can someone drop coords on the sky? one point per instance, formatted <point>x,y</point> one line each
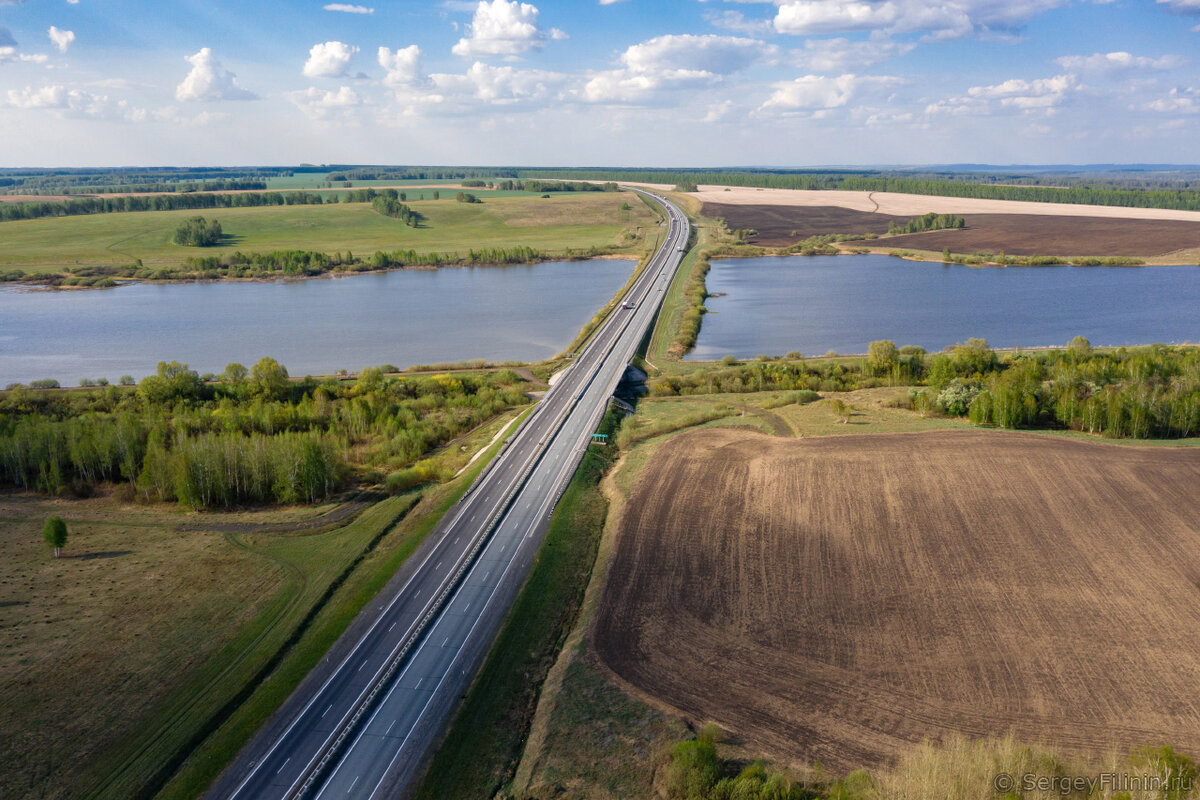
<point>661,83</point>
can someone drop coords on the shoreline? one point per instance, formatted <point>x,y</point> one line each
<point>31,284</point>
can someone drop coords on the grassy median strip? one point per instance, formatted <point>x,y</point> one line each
<point>481,749</point>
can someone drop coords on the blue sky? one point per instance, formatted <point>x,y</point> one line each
<point>620,82</point>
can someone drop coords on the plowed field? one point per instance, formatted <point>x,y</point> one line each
<point>840,598</point>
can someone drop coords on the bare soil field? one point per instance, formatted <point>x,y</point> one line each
<point>839,599</point>
<point>1015,234</point>
<point>1030,235</point>
<point>780,226</point>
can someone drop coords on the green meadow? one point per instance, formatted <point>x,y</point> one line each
<point>554,224</point>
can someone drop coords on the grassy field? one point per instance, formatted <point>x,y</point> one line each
<point>163,633</point>
<point>553,225</point>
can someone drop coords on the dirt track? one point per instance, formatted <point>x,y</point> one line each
<point>837,599</point>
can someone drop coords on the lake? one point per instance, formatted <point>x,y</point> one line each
<point>316,326</point>
<point>815,304</point>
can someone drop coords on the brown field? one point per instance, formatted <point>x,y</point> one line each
<point>780,226</point>
<point>1015,234</point>
<point>839,599</point>
<point>1028,235</point>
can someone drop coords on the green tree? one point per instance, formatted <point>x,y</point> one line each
<point>171,382</point>
<point>55,534</point>
<point>269,379</point>
<point>882,356</point>
<point>234,373</point>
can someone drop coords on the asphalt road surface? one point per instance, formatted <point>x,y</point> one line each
<point>362,725</point>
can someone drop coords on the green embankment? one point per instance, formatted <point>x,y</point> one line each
<point>480,751</point>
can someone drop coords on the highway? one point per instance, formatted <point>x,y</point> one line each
<point>363,725</point>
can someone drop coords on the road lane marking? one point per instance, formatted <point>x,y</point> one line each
<point>389,730</point>
<point>326,711</point>
<point>284,765</point>
<point>390,629</point>
<point>438,564</point>
<point>351,789</point>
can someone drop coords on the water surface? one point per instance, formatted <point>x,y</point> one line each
<point>815,304</point>
<point>317,326</point>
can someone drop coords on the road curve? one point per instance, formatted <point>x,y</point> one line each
<point>362,725</point>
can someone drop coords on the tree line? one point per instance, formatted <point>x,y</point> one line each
<point>926,222</point>
<point>392,207</point>
<point>1128,393</point>
<point>162,202</point>
<point>246,436</point>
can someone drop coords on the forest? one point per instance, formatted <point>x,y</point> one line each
<point>248,436</point>
<point>1125,393</point>
<point>159,202</point>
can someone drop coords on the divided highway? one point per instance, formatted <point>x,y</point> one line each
<point>363,724</point>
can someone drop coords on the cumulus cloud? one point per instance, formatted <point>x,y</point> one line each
<point>737,22</point>
<point>1117,62</point>
<point>501,28</point>
<point>329,60</point>
<point>1043,95</point>
<point>62,39</point>
<point>1182,6</point>
<point>319,104</point>
<point>842,55</point>
<point>210,81</point>
<point>503,85</point>
<point>938,19</point>
<point>823,92</point>
<point>674,61</point>
<point>73,102</point>
<point>1178,101</point>
<point>403,66</point>
<point>346,8</point>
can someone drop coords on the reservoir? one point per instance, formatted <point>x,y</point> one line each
<point>773,305</point>
<point>317,326</point>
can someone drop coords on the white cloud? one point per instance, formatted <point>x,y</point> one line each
<point>610,2</point>
<point>1043,95</point>
<point>1182,6</point>
<point>503,85</point>
<point>939,19</point>
<point>810,92</point>
<point>62,39</point>
<point>73,102</point>
<point>1117,62</point>
<point>346,8</point>
<point>674,61</point>
<point>43,97</point>
<point>319,104</point>
<point>11,54</point>
<point>1178,101</point>
<point>1023,94</point>
<point>329,60</point>
<point>842,55</point>
<point>403,66</point>
<point>501,28</point>
<point>737,22</point>
<point>208,80</point>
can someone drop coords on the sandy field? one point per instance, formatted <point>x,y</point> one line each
<point>912,205</point>
<point>839,599</point>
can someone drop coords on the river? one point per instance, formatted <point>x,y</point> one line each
<point>774,305</point>
<point>317,326</point>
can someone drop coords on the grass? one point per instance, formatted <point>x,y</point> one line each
<point>562,222</point>
<point>480,750</point>
<point>164,633</point>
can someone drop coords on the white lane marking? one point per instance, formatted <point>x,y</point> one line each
<point>326,711</point>
<point>438,564</point>
<point>351,789</point>
<point>363,665</point>
<point>390,629</point>
<point>389,730</point>
<point>284,765</point>
<point>446,642</point>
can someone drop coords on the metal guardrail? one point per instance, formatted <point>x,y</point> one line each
<point>451,584</point>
